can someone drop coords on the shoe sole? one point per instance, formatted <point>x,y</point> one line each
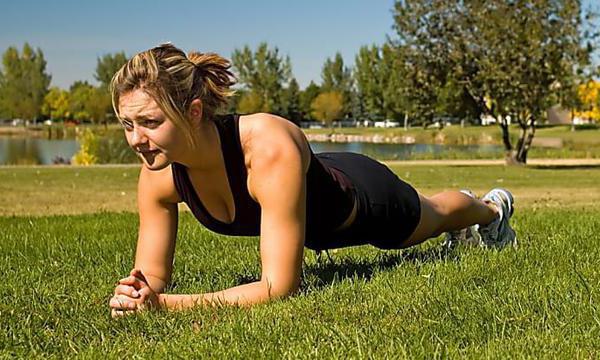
<point>509,235</point>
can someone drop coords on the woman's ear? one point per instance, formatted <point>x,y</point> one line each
<point>196,110</point>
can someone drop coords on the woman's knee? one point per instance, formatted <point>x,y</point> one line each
<point>430,222</point>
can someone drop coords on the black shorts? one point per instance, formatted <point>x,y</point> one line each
<point>388,210</point>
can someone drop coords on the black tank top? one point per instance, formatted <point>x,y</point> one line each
<point>329,193</point>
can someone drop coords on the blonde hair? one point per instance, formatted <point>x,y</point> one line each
<point>174,80</point>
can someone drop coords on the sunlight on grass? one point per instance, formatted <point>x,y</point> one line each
<point>539,300</point>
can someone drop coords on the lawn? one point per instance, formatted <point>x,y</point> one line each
<point>69,233</point>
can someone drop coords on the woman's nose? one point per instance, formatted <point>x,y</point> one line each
<point>138,137</point>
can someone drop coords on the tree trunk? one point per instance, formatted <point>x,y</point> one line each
<point>511,155</point>
<point>521,141</point>
<point>405,122</point>
<point>525,142</point>
<point>506,140</point>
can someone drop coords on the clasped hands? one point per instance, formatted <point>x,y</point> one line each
<point>133,294</point>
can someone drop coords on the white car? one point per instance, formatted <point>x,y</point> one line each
<point>387,124</point>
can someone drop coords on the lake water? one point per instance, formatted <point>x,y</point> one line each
<point>29,151</point>
<point>32,151</point>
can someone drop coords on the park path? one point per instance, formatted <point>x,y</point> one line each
<point>482,162</point>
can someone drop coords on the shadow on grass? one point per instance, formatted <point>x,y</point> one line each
<point>330,270</point>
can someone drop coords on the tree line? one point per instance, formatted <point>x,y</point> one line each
<point>25,91</point>
<point>509,60</point>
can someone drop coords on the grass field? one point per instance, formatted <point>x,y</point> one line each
<point>68,235</point>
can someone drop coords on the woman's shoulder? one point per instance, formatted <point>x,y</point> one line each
<point>262,130</point>
<point>158,185</point>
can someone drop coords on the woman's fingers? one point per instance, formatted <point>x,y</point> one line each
<point>121,302</point>
<point>131,295</point>
<point>119,313</point>
<point>127,290</point>
<point>138,274</point>
<point>133,281</point>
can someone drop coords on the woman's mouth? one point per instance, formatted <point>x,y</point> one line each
<point>149,155</point>
<point>149,152</point>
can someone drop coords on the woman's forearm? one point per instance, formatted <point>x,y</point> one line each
<point>242,295</point>
<point>157,284</point>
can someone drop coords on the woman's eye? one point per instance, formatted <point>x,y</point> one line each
<point>151,123</point>
<point>127,125</point>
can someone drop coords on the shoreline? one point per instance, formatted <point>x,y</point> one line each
<point>542,162</point>
<point>374,139</point>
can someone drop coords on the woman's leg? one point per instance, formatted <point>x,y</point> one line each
<point>447,211</point>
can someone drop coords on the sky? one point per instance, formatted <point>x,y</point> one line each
<point>73,34</point>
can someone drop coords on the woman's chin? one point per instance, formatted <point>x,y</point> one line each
<point>155,161</point>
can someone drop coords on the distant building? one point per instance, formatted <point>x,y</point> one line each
<point>558,115</point>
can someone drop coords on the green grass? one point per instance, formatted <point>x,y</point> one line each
<point>540,300</point>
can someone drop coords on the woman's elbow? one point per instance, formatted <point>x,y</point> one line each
<point>279,289</point>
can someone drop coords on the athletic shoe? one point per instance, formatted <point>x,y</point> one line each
<point>498,233</point>
<point>469,235</point>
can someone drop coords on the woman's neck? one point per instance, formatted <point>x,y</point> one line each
<point>205,154</point>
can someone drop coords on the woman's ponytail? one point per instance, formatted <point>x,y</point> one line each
<point>213,79</point>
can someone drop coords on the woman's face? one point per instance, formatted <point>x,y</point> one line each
<point>154,138</point>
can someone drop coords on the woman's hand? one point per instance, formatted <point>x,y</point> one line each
<point>133,294</point>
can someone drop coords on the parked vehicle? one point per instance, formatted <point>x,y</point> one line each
<point>387,123</point>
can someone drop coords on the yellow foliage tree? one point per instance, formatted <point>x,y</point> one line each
<point>88,148</point>
<point>327,107</point>
<point>250,103</point>
<point>589,94</point>
<point>56,104</point>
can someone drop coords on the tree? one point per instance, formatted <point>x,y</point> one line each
<point>251,102</point>
<point>328,106</point>
<point>589,96</point>
<point>264,73</point>
<point>383,79</point>
<point>56,104</point>
<point>23,82</point>
<point>337,77</point>
<point>291,102</point>
<point>307,96</point>
<point>369,80</point>
<point>88,103</point>
<point>514,59</point>
<point>107,66</point>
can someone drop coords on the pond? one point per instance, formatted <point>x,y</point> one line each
<point>32,151</point>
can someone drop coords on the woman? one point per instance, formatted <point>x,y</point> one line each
<point>256,175</point>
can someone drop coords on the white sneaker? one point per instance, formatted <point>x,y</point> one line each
<point>469,235</point>
<point>498,233</point>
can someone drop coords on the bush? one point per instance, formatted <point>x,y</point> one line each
<point>89,145</point>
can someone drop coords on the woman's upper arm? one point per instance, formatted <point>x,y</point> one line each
<point>157,203</point>
<point>278,183</point>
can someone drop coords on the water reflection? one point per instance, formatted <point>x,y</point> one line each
<point>405,151</point>
<point>114,149</point>
<point>33,151</point>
